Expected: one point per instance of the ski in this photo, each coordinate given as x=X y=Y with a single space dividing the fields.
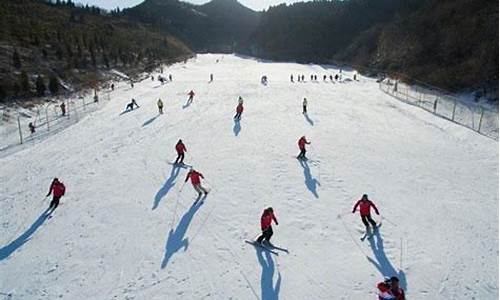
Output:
x=183 y=165
x=369 y=234
x=261 y=246
x=274 y=247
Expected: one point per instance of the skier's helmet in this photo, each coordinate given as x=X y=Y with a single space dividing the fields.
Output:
x=56 y=179
x=365 y=197
x=270 y=209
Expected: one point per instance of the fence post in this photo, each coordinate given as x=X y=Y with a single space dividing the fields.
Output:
x=454 y=107
x=20 y=131
x=480 y=120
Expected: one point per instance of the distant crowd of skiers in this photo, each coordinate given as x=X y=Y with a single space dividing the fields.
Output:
x=387 y=290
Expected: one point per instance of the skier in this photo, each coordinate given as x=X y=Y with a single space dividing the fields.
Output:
x=364 y=210
x=131 y=84
x=390 y=290
x=336 y=77
x=180 y=148
x=315 y=77
x=31 y=127
x=355 y=77
x=303 y=77
x=239 y=111
x=63 y=109
x=191 y=96
x=302 y=146
x=170 y=77
x=312 y=77
x=324 y=77
x=57 y=189
x=211 y=77
x=266 y=221
x=291 y=78
x=195 y=180
x=298 y=78
x=130 y=106
x=331 y=78
x=160 y=106
x=112 y=86
x=304 y=106
x=263 y=80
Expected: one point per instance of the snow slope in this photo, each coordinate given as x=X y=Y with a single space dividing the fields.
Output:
x=127 y=229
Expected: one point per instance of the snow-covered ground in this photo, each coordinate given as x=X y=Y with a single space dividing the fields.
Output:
x=127 y=229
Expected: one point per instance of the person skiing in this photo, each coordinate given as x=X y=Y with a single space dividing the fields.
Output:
x=291 y=78
x=298 y=78
x=312 y=77
x=336 y=77
x=130 y=106
x=239 y=111
x=160 y=106
x=195 y=180
x=57 y=189
x=390 y=290
x=211 y=77
x=191 y=96
x=131 y=84
x=365 y=206
x=266 y=221
x=331 y=78
x=304 y=106
x=112 y=86
x=170 y=77
x=355 y=77
x=31 y=127
x=303 y=77
x=302 y=146
x=63 y=109
x=180 y=148
x=324 y=77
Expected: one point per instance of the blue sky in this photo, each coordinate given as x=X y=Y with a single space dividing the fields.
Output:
x=254 y=4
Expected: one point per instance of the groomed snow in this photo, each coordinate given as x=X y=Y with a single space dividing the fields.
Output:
x=127 y=229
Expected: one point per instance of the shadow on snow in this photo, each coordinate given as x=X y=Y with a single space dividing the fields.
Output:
x=176 y=240
x=167 y=186
x=311 y=183
x=236 y=127
x=381 y=261
x=150 y=121
x=7 y=250
x=309 y=120
x=268 y=290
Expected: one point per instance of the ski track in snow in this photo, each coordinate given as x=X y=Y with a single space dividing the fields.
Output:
x=126 y=228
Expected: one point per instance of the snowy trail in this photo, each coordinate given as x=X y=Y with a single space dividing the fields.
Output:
x=126 y=230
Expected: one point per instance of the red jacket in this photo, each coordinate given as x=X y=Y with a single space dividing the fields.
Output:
x=195 y=177
x=364 y=207
x=267 y=219
x=302 y=143
x=385 y=292
x=239 y=108
x=191 y=94
x=180 y=148
x=57 y=188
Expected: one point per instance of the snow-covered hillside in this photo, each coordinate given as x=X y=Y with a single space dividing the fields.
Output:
x=127 y=229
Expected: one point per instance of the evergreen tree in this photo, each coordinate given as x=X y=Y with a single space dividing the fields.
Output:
x=53 y=84
x=24 y=82
x=16 y=59
x=40 y=86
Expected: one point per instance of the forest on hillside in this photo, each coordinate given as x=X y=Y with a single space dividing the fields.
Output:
x=46 y=43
